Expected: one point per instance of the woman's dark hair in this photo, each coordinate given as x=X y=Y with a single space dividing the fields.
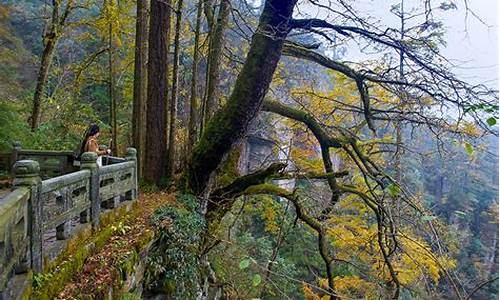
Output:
x=91 y=130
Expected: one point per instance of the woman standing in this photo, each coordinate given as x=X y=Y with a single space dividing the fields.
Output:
x=89 y=143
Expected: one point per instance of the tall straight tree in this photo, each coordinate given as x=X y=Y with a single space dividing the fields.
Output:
x=216 y=45
x=51 y=36
x=156 y=111
x=193 y=111
x=175 y=92
x=140 y=83
x=110 y=7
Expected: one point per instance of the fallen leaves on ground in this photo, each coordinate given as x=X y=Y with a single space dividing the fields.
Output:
x=99 y=272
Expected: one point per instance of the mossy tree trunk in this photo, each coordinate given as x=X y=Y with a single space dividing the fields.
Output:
x=231 y=122
x=222 y=132
x=156 y=111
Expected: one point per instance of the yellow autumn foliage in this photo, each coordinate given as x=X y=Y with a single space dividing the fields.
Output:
x=311 y=295
x=353 y=230
x=354 y=237
x=268 y=210
x=354 y=286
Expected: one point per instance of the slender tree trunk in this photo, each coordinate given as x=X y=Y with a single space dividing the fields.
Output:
x=396 y=205
x=156 y=112
x=229 y=124
x=208 y=9
x=140 y=84
x=112 y=98
x=193 y=112
x=492 y=261
x=216 y=46
x=175 y=93
x=50 y=40
x=41 y=83
x=399 y=137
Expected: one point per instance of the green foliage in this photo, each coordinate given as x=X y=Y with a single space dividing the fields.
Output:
x=11 y=127
x=76 y=93
x=56 y=134
x=173 y=262
x=120 y=228
x=189 y=201
x=469 y=149
x=256 y=280
x=241 y=263
x=492 y=121
x=428 y=218
x=244 y=264
x=489 y=108
x=130 y=296
x=41 y=278
x=461 y=186
x=393 y=190
x=148 y=187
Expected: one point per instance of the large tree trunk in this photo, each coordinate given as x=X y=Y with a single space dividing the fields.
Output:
x=140 y=82
x=231 y=122
x=193 y=111
x=216 y=46
x=175 y=93
x=156 y=112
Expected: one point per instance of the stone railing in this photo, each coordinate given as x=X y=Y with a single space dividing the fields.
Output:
x=52 y=163
x=38 y=216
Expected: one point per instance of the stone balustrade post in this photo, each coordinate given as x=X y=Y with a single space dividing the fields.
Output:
x=132 y=156
x=89 y=162
x=27 y=173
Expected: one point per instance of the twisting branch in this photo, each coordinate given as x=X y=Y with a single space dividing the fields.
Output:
x=427 y=73
x=297 y=175
x=222 y=199
x=414 y=113
x=480 y=286
x=365 y=99
x=324 y=139
x=307 y=119
x=371 y=172
x=240 y=184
